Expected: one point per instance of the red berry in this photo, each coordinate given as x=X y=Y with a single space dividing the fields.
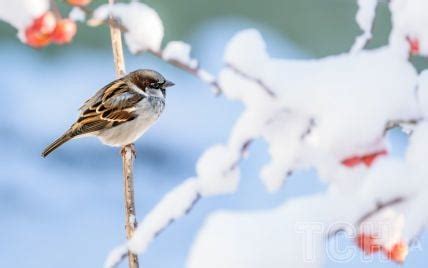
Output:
x=351 y=161
x=39 y=32
x=45 y=24
x=36 y=39
x=370 y=158
x=414 y=45
x=367 y=159
x=398 y=252
x=79 y=3
x=367 y=243
x=64 y=31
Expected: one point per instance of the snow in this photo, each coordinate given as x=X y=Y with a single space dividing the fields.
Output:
x=422 y=92
x=179 y=51
x=144 y=28
x=409 y=20
x=229 y=239
x=370 y=89
x=365 y=17
x=205 y=76
x=312 y=113
x=246 y=50
x=21 y=13
x=115 y=256
x=216 y=171
x=387 y=226
x=172 y=206
x=418 y=147
x=272 y=238
x=77 y=14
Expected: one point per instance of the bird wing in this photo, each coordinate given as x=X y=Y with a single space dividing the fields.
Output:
x=111 y=106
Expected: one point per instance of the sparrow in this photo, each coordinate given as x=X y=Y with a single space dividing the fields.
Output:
x=121 y=112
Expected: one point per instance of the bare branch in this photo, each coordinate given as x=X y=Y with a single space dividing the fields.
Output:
x=128 y=151
x=379 y=207
x=196 y=71
x=309 y=129
x=400 y=122
x=55 y=9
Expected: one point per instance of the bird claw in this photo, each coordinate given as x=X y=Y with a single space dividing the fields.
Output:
x=129 y=147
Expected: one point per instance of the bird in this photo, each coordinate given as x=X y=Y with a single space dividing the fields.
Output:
x=120 y=112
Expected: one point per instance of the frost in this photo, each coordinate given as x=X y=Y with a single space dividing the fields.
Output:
x=21 y=13
x=144 y=28
x=180 y=52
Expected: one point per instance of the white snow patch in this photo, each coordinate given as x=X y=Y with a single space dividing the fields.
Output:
x=409 y=20
x=77 y=14
x=144 y=27
x=172 y=206
x=179 y=51
x=217 y=172
x=365 y=16
x=21 y=13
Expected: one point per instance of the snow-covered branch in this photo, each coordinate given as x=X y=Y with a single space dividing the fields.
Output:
x=330 y=114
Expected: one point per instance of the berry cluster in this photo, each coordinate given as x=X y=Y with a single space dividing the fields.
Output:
x=51 y=28
x=369 y=244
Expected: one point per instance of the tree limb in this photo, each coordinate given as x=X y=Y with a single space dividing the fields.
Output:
x=128 y=151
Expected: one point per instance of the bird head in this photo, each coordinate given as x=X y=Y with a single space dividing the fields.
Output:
x=150 y=81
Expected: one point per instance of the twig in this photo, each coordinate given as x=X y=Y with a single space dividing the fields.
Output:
x=55 y=9
x=256 y=80
x=196 y=71
x=117 y=255
x=242 y=154
x=379 y=207
x=308 y=131
x=396 y=123
x=128 y=151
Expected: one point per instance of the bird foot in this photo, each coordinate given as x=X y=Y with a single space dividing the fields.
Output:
x=130 y=147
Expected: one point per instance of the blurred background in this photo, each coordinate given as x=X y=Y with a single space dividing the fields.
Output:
x=67 y=210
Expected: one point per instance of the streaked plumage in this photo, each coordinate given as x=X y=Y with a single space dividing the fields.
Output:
x=120 y=112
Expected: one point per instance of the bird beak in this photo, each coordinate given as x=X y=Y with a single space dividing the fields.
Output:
x=168 y=84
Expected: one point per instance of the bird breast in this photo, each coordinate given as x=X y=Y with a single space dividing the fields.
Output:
x=148 y=110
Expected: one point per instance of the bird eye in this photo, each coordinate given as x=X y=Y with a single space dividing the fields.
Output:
x=154 y=85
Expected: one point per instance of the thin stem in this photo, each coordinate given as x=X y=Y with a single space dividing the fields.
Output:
x=128 y=151
x=379 y=207
x=55 y=9
x=196 y=71
x=258 y=81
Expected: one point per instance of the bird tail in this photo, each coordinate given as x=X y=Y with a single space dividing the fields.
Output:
x=58 y=142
